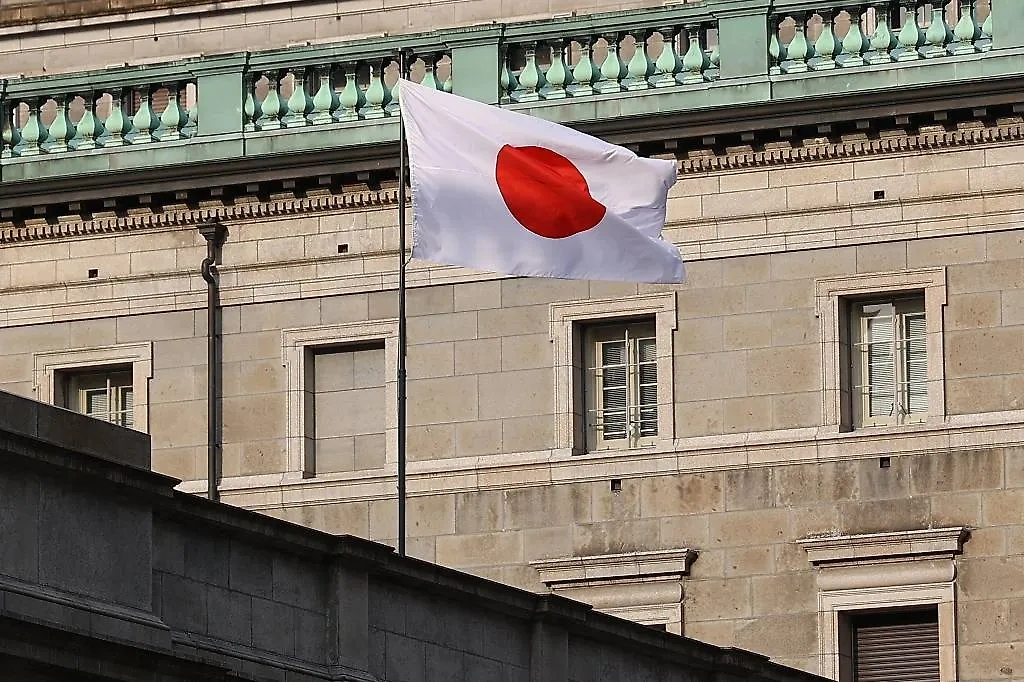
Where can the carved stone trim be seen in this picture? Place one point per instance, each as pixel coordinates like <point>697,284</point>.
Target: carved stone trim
<point>942,543</point>
<point>829,151</point>
<point>645,587</point>
<point>704,162</point>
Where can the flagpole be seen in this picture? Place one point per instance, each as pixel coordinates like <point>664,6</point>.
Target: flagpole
<point>401,316</point>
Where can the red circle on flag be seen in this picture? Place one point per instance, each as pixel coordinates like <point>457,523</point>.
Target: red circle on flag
<point>545,192</point>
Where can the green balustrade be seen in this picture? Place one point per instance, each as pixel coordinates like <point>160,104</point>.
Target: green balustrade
<point>872,33</point>
<point>61,117</point>
<point>663,59</point>
<point>572,66</point>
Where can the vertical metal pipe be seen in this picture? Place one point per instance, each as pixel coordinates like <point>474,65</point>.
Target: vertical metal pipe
<point>401,318</point>
<point>215,235</point>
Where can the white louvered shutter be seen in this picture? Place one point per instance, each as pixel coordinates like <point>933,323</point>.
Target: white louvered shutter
<point>879,349</point>
<point>96,402</point>
<point>915,359</point>
<point>647,387</point>
<point>614,383</point>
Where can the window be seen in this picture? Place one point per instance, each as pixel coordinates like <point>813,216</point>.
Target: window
<point>621,386</point>
<point>887,604</point>
<point>882,349</point>
<point>613,369</point>
<point>892,644</point>
<point>342,403</point>
<point>105,394</point>
<point>348,414</point>
<point>109,382</point>
<point>644,587</point>
<point>890,362</point>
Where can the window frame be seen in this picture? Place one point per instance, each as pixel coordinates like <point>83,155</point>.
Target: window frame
<point>880,571</point>
<point>76,390</point>
<point>297,349</point>
<point>833,299</point>
<point>50,366</point>
<point>903,306</point>
<point>568,319</point>
<point>595,336</point>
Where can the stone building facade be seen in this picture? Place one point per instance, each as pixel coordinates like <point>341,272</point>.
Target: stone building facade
<point>814,441</point>
<point>168,586</point>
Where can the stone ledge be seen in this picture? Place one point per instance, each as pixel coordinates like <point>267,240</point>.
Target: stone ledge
<point>630,565</point>
<point>689,455</point>
<point>929,543</point>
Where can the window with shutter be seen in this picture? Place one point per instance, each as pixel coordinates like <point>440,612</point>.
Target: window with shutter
<point>622,385</point>
<point>104,394</point>
<point>895,645</point>
<point>890,363</point>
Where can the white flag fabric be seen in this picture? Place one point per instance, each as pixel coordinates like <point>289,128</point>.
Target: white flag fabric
<point>501,191</point>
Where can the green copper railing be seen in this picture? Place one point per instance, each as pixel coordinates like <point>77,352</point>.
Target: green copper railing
<point>692,56</point>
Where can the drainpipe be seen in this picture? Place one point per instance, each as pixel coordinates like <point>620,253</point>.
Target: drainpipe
<point>215,235</point>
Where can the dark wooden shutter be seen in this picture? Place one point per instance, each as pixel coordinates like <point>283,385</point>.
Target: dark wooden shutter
<point>900,646</point>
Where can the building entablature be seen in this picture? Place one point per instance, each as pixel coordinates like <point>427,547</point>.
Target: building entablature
<point>721,84</point>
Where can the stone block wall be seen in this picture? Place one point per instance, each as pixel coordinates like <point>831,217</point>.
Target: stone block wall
<point>106,572</point>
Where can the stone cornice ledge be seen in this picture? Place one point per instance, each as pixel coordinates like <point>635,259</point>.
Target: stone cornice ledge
<point>605,567</point>
<point>687,456</point>
<point>929,543</point>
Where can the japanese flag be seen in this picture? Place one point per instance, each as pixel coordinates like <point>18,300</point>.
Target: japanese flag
<point>505,192</point>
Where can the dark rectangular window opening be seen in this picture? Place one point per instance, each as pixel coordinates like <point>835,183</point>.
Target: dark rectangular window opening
<point>892,645</point>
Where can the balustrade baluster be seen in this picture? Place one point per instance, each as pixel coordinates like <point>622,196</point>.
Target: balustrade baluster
<point>191,127</point>
<point>9,133</point>
<point>911,37</point>
<point>270,107</point>
<point>938,34</point>
<point>557,76</point>
<point>776,50</point>
<point>352,98</point>
<point>826,48</point>
<point>325,101</point>
<point>57,134</point>
<point>393,108</point>
<point>114,125</point>
<point>506,78</point>
<point>583,73</point>
<point>668,63</point>
<point>714,64</point>
<point>882,40</point>
<point>985,41</point>
<point>695,61</point>
<point>530,78</point>
<point>376,93</point>
<point>31,133</point>
<point>88,127</point>
<point>798,50</point>
<point>299,103</point>
<point>640,66</point>
<point>612,68</point>
<point>855,43</point>
<point>429,71</point>
<point>967,30</point>
<point>142,121</point>
<point>173,117</point>
<point>249,103</point>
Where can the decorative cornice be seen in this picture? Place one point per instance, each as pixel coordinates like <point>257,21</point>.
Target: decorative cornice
<point>250,206</point>
<point>928,543</point>
<point>38,230</point>
<point>610,567</point>
<point>852,149</point>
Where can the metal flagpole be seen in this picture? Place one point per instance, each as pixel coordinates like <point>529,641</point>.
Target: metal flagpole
<point>401,316</point>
